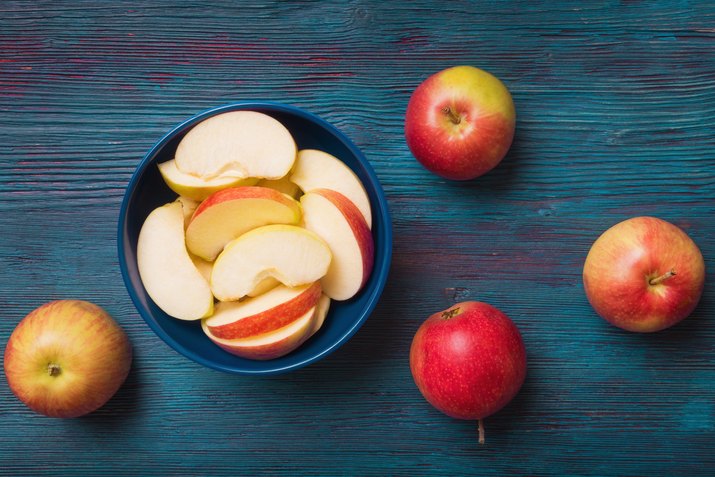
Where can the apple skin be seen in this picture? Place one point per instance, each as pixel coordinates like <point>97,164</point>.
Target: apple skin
<point>460,122</point>
<point>469,360</point>
<point>268,320</point>
<point>621,275</point>
<point>67,358</point>
<point>359,227</point>
<point>206,237</point>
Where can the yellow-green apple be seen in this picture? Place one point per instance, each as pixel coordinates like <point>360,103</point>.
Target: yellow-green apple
<point>460,122</point>
<point>195,187</point>
<point>644,274</point>
<point>228,213</point>
<point>167,271</point>
<point>67,358</point>
<point>468,361</point>
<point>316,169</point>
<point>279,342</point>
<point>284,185</point>
<point>238,144</point>
<point>291,254</point>
<point>338,221</point>
<point>267,312</point>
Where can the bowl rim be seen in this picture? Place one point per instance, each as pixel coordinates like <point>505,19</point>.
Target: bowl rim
<point>382,270</point>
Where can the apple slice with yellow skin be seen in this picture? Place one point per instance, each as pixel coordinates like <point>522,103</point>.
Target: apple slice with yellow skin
<point>279,342</point>
<point>284,185</point>
<point>265,313</point>
<point>167,272</point>
<point>228,213</point>
<point>290,254</point>
<point>337,220</point>
<point>316,169</point>
<point>237,144</point>
<point>194,187</point>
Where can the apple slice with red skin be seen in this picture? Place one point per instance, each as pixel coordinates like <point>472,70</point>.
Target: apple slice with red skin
<point>238,144</point>
<point>316,169</point>
<point>279,342</point>
<point>338,221</point>
<point>267,312</point>
<point>225,215</point>
<point>291,254</point>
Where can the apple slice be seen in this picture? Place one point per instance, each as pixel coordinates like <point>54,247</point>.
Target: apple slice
<point>291,254</point>
<point>237,144</point>
<point>264,286</point>
<point>321,311</point>
<point>283,185</point>
<point>279,342</point>
<point>202,266</point>
<point>194,187</point>
<point>316,169</point>
<point>188,206</point>
<point>231,212</point>
<point>169,276</point>
<point>268,312</point>
<point>338,221</point>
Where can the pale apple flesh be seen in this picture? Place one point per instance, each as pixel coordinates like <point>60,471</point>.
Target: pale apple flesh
<point>279,342</point>
<point>283,185</point>
<point>67,358</point>
<point>237,144</point>
<point>460,122</point>
<point>644,274</point>
<point>263,313</point>
<point>337,220</point>
<point>167,271</point>
<point>195,187</point>
<point>231,212</point>
<point>316,169</point>
<point>290,254</point>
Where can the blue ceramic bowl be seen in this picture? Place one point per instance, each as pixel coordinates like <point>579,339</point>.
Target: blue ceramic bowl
<point>146,191</point>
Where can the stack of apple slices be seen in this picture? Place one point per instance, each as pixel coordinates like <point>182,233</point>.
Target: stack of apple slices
<point>260,239</point>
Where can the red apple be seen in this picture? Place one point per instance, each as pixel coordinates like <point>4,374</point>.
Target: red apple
<point>644,274</point>
<point>468,361</point>
<point>67,358</point>
<point>460,122</point>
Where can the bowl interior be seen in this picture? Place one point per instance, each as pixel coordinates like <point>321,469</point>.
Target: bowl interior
<point>147,190</point>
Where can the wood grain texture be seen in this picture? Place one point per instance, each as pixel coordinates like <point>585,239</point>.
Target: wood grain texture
<point>616,113</point>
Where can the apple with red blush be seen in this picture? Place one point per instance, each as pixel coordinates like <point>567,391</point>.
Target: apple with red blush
<point>468,361</point>
<point>644,274</point>
<point>460,122</point>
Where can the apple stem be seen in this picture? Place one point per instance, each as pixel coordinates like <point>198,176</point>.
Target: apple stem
<point>662,278</point>
<point>454,117</point>
<point>480,428</point>
<point>53,369</point>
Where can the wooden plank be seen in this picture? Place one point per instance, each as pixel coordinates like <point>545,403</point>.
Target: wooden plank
<point>616,113</point>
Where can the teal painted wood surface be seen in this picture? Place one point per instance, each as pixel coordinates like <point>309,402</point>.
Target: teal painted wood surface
<point>616,118</point>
